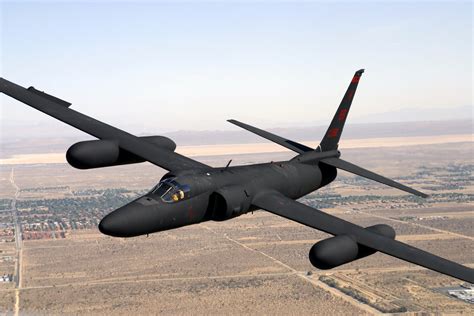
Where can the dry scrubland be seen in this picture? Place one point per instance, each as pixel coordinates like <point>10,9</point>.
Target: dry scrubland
<point>190,271</point>
<point>257,263</point>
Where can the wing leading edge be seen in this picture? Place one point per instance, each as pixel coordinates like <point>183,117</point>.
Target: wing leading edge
<point>278,204</point>
<point>60,110</point>
<point>297,147</point>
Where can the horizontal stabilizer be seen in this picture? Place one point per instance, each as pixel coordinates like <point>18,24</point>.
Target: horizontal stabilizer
<point>297,147</point>
<point>349,167</point>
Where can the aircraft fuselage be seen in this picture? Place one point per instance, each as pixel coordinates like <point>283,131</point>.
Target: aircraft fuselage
<point>217,194</point>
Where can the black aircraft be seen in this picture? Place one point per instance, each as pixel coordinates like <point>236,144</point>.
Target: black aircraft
<point>192,192</point>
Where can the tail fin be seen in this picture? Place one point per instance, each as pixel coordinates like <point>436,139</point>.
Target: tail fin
<point>333,134</point>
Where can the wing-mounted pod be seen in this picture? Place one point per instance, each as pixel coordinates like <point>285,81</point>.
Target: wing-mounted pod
<point>335,251</point>
<point>105,153</point>
<point>228,202</point>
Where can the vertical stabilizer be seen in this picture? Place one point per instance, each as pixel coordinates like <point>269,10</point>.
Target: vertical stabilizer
<point>333,134</point>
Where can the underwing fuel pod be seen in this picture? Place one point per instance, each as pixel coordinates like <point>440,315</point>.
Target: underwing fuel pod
<point>192,192</point>
<point>106,153</point>
<point>335,251</point>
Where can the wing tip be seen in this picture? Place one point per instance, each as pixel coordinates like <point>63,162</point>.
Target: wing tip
<point>420,194</point>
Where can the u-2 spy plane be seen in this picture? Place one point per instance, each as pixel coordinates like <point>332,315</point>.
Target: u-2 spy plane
<point>192,192</point>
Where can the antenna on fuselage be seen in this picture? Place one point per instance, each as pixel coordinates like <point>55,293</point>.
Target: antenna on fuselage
<point>228,164</point>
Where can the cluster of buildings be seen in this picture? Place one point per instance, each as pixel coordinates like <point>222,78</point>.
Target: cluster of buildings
<point>6,278</point>
<point>34,235</point>
<point>465,293</point>
<point>7,234</point>
<point>48,229</point>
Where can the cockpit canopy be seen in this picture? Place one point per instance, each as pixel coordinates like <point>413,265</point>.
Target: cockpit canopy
<point>170,191</point>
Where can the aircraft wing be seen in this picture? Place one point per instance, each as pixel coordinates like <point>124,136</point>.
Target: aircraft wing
<point>349,167</point>
<point>278,204</point>
<point>60,110</point>
<point>297,147</point>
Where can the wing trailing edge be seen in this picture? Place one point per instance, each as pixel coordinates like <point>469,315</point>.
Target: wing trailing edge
<point>349,167</point>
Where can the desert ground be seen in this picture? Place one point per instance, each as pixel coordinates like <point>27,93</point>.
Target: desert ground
<point>254,264</point>
<point>258,148</point>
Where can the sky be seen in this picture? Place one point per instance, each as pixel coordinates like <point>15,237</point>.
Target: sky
<point>165,66</point>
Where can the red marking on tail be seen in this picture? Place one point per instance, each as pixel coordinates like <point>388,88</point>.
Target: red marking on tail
<point>350,95</point>
<point>333,132</point>
<point>355,79</point>
<point>342,115</point>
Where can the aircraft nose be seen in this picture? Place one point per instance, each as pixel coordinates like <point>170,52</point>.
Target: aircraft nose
<point>120,223</point>
<point>145,216</point>
<point>108,226</point>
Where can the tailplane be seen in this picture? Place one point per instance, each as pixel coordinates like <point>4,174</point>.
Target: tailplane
<point>327,152</point>
<point>333,134</point>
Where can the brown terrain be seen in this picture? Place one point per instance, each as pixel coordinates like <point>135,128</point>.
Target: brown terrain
<point>255,264</point>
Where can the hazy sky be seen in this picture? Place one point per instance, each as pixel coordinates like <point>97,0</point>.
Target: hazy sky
<point>191,65</point>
